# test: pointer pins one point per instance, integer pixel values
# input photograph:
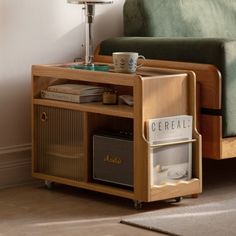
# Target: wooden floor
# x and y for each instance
(34, 210)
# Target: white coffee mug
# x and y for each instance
(126, 62)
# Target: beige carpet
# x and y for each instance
(213, 213)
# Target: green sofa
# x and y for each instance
(196, 31)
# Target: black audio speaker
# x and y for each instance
(113, 159)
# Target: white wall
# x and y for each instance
(38, 32)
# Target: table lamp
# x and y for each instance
(89, 6)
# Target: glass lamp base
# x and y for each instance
(93, 67)
(90, 1)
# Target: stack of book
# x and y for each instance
(170, 149)
(76, 93)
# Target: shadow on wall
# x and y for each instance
(102, 28)
(71, 48)
(108, 24)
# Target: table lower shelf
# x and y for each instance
(161, 192)
(88, 185)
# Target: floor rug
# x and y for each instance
(213, 213)
(212, 218)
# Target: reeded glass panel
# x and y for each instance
(59, 142)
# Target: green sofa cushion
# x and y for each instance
(180, 18)
(216, 51)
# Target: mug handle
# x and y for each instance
(143, 58)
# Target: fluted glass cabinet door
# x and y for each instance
(59, 147)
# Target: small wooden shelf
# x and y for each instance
(182, 188)
(95, 107)
(157, 92)
(60, 72)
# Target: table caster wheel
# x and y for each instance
(137, 204)
(178, 199)
(49, 184)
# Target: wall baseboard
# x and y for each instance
(15, 165)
